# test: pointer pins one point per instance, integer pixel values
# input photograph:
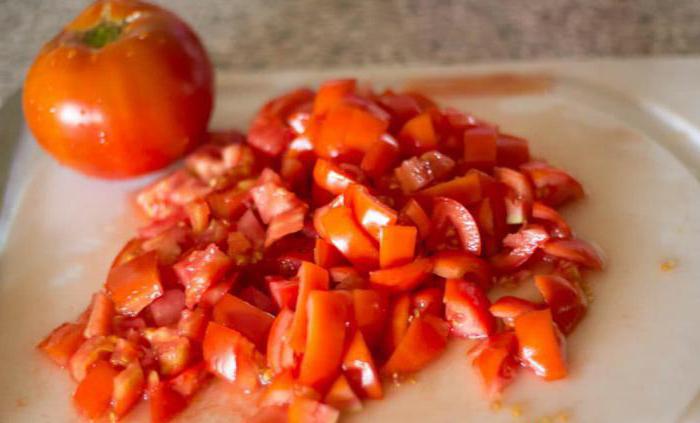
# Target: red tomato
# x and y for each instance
(173, 351)
(327, 315)
(439, 164)
(413, 213)
(371, 213)
(565, 298)
(508, 308)
(399, 313)
(451, 264)
(343, 231)
(190, 381)
(424, 341)
(467, 309)
(90, 104)
(199, 270)
(332, 93)
(284, 292)
(128, 389)
(331, 177)
(62, 342)
(403, 278)
(93, 395)
(418, 134)
(553, 186)
(511, 151)
(520, 197)
(381, 157)
(280, 355)
(466, 189)
(480, 147)
(231, 356)
(268, 131)
(284, 224)
(134, 285)
(306, 410)
(523, 245)
(413, 175)
(272, 199)
(370, 310)
(397, 245)
(541, 344)
(341, 396)
(447, 210)
(495, 363)
(428, 300)
(244, 318)
(165, 402)
(551, 216)
(575, 250)
(359, 368)
(311, 277)
(167, 309)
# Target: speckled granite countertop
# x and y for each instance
(278, 34)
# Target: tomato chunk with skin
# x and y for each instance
(331, 177)
(424, 341)
(399, 314)
(62, 342)
(134, 285)
(381, 157)
(341, 396)
(541, 344)
(575, 250)
(311, 278)
(397, 245)
(93, 395)
(508, 308)
(307, 410)
(496, 362)
(245, 318)
(447, 210)
(545, 213)
(231, 356)
(402, 278)
(413, 174)
(371, 213)
(453, 264)
(284, 292)
(128, 389)
(326, 255)
(165, 402)
(280, 355)
(511, 151)
(467, 309)
(428, 300)
(359, 368)
(199, 270)
(327, 316)
(268, 131)
(100, 320)
(413, 213)
(480, 149)
(553, 186)
(272, 199)
(418, 134)
(349, 238)
(565, 299)
(370, 309)
(331, 93)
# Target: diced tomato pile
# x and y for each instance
(342, 243)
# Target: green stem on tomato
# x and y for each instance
(102, 34)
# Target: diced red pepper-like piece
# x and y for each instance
(101, 313)
(467, 309)
(332, 177)
(465, 189)
(413, 174)
(346, 234)
(399, 313)
(511, 151)
(331, 93)
(284, 224)
(134, 285)
(268, 131)
(428, 300)
(418, 134)
(284, 292)
(325, 254)
(413, 213)
(381, 157)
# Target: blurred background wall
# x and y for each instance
(279, 34)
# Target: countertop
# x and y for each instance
(282, 34)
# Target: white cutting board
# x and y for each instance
(615, 125)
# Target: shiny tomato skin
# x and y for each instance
(129, 107)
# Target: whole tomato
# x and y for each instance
(124, 89)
